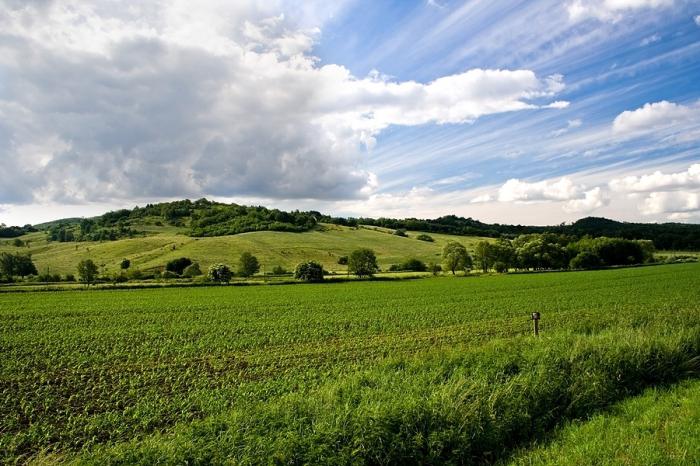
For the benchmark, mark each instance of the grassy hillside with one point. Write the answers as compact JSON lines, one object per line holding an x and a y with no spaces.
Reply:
{"x":325,"y":244}
{"x":660,"y":427}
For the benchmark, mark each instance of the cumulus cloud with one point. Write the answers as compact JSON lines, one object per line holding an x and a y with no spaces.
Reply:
{"x":165,"y":99}
{"x":481,"y":199}
{"x":560,"y":190}
{"x":610,"y":10}
{"x":697,"y":20}
{"x":591,"y":201}
{"x":653,"y":116}
{"x":658,"y":181}
{"x":677,"y":204}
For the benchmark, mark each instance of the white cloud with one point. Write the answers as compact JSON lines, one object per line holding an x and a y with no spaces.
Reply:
{"x":650,"y":40}
{"x":654,"y":116}
{"x":570,"y":124}
{"x":560,"y":190}
{"x":591,"y":201}
{"x":658,"y":181}
{"x":677,"y":203}
{"x":481,"y":199}
{"x":610,"y":10}
{"x":697,"y":20}
{"x":221,"y":99}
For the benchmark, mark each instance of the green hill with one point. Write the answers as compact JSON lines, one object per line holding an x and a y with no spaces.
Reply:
{"x":325,"y":244}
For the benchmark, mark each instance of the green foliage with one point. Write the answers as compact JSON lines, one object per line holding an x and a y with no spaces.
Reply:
{"x":248,"y":265}
{"x":424,"y":237}
{"x":400,"y":232}
{"x":343,"y":260}
{"x":125,"y":264}
{"x":192,"y":270}
{"x":87,"y":271}
{"x":309,"y":271}
{"x":16,"y":265}
{"x":363,"y":263}
{"x":279,"y":270}
{"x":585,"y":260}
{"x":169,"y":274}
{"x":410,"y":265}
{"x":18,"y":243}
{"x":177,"y":266}
{"x":220,"y":273}
{"x":455,"y":257}
{"x":434,"y":268}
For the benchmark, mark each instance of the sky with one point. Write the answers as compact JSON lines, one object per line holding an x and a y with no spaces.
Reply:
{"x":533,"y":112}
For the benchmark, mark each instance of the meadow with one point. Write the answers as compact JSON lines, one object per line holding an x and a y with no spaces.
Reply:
{"x":432,"y":371}
{"x":324,"y":244}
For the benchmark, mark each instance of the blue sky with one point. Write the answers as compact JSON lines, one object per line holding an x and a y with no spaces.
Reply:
{"x":515,"y":112}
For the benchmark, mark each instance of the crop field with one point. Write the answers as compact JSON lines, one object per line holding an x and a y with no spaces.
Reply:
{"x":430,"y":371}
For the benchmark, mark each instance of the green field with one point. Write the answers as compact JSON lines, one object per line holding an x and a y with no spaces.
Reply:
{"x":660,"y":427}
{"x":325,"y":245}
{"x":429,"y":371}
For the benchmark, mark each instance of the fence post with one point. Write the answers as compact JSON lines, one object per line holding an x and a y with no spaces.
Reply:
{"x":536,"y":323}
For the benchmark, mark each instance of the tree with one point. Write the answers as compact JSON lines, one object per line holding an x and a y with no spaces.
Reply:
{"x":125,"y":264}
{"x":12,"y":265}
{"x":455,"y":257}
{"x":248,"y":265}
{"x":7,"y":265}
{"x":343,"y":260}
{"x":192,"y":270}
{"x":177,"y":266}
{"x":18,"y":243}
{"x":483,"y":256}
{"x":400,"y":232}
{"x":220,"y":273}
{"x":309,"y":271}
{"x":424,"y":237}
{"x":87,"y":271}
{"x":413,"y":265}
{"x":585,"y":260}
{"x":363,"y":263}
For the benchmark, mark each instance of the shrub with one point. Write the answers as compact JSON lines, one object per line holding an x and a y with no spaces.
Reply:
{"x":309,"y":271}
{"x":192,"y":270}
{"x":394,"y":268}
{"x":424,"y":237}
{"x":400,"y":232}
{"x":414,"y":265}
{"x":343,"y":260}
{"x":585,"y":260}
{"x":125,"y":264}
{"x":177,"y":266}
{"x":169,"y":274}
{"x":279,"y":270}
{"x":434,"y":268}
{"x":70,"y":277}
{"x":500,"y":267}
{"x":220,"y":273}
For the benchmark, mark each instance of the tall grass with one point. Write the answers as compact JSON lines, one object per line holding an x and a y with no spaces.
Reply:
{"x":463,"y":407}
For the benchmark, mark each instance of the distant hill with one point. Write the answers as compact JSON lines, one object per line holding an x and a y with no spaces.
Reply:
{"x":204,"y":218}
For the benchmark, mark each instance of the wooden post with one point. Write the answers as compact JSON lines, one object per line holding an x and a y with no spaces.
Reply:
{"x":536,"y":323}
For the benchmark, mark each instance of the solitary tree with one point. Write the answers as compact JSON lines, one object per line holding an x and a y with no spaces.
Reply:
{"x":248,"y":265}
{"x":455,"y":257}
{"x":220,"y":273}
{"x":87,"y":271}
{"x":363,"y":263}
{"x":483,"y":256}
{"x":126,"y":263}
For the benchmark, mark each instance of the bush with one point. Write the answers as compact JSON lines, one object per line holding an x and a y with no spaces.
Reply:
{"x":177,"y":266}
{"x":400,"y":232}
{"x":220,"y":273}
{"x":309,"y":271}
{"x":500,"y":267}
{"x":70,"y":277}
{"x":414,"y":265}
{"x":169,"y":274}
{"x":424,"y":237}
{"x":135,"y":274}
{"x":192,"y":271}
{"x":394,"y":268}
{"x":434,"y":268}
{"x":279,"y":270}
{"x":343,"y":260}
{"x":125,"y":264}
{"x":585,"y":260}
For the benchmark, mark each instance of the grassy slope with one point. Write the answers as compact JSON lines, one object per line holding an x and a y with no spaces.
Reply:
{"x":659,"y":427}
{"x":271,"y":248}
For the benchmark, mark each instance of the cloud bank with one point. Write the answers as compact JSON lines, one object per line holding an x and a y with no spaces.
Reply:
{"x":101,"y":102}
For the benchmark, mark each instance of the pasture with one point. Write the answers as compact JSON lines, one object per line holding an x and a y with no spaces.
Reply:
{"x":431,"y":371}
